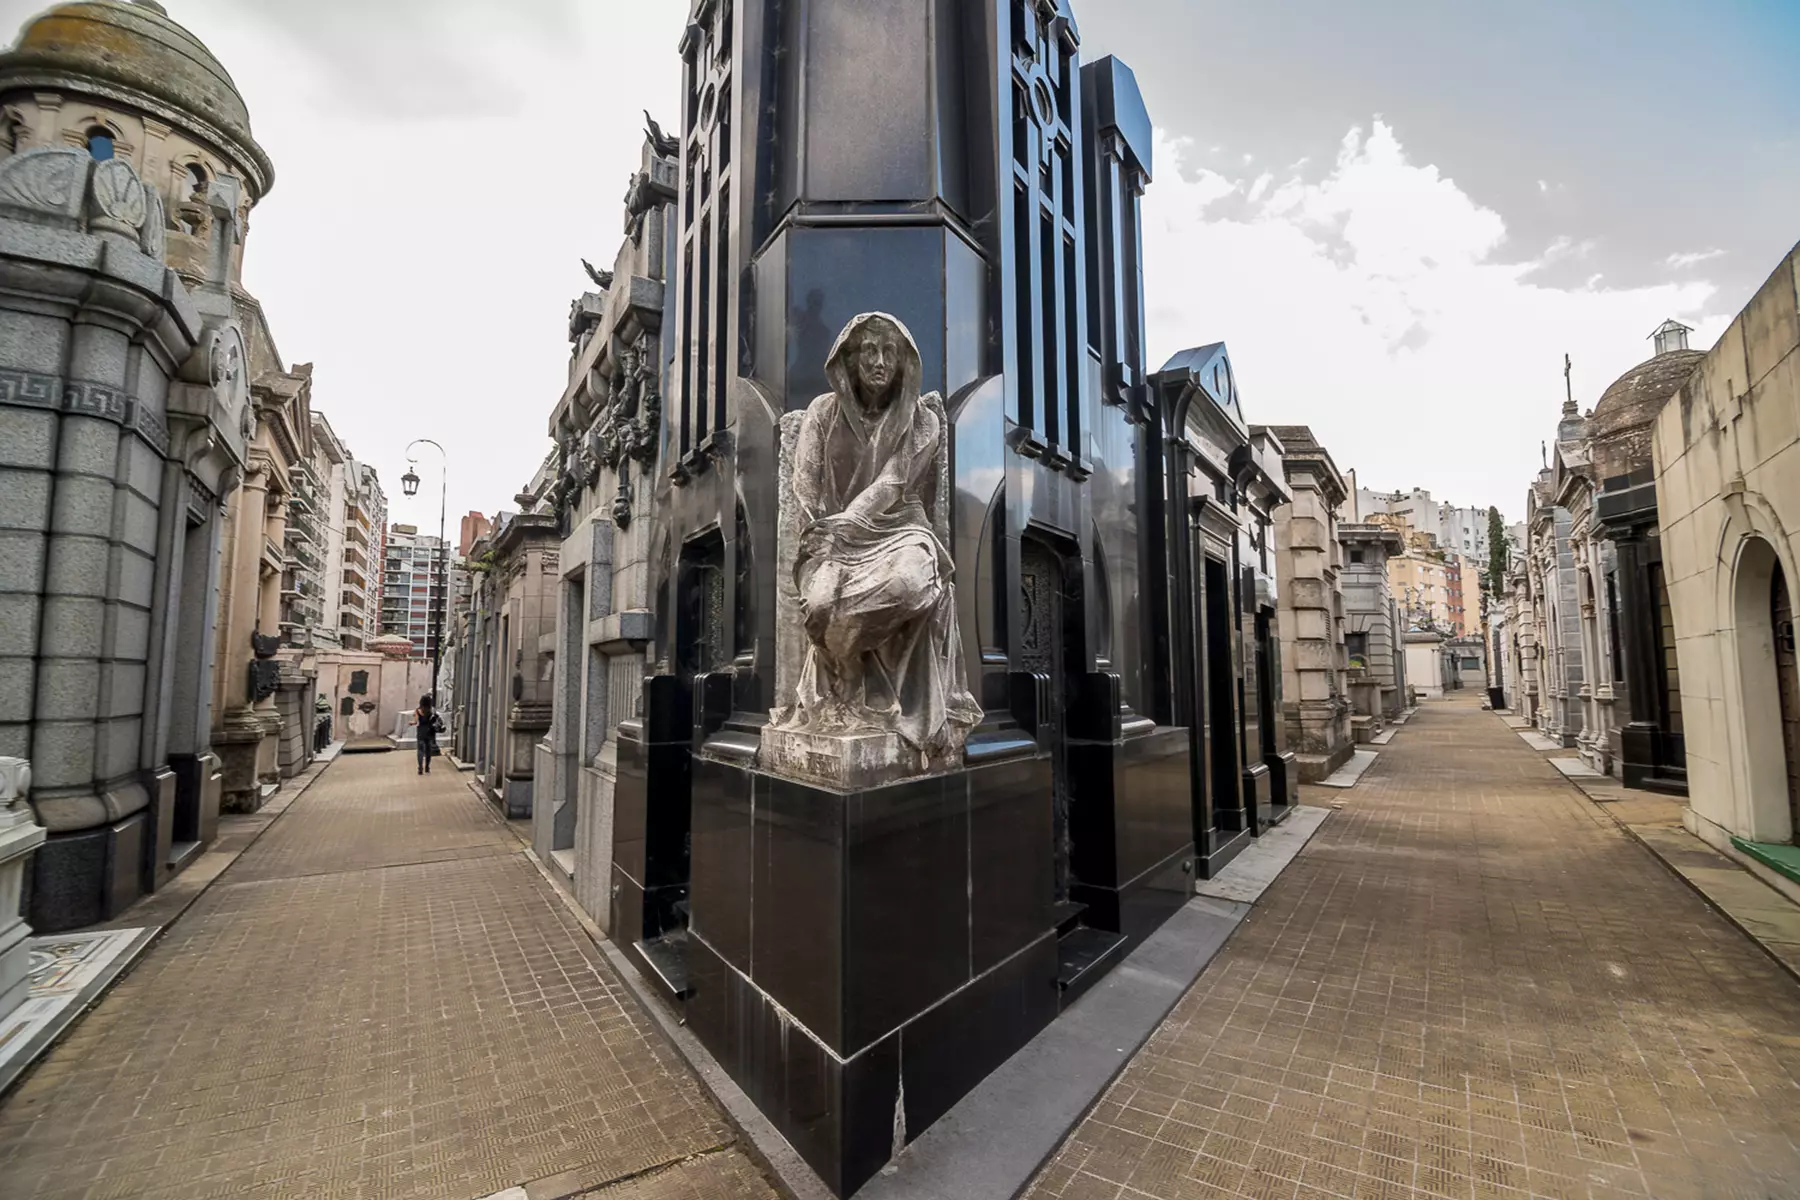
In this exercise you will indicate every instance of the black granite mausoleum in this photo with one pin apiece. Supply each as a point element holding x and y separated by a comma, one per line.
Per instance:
<point>859,961</point>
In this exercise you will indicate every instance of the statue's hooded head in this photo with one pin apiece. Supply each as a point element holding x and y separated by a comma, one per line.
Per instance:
<point>876,360</point>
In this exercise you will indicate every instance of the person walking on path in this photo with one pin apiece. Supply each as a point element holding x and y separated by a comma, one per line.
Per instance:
<point>429,725</point>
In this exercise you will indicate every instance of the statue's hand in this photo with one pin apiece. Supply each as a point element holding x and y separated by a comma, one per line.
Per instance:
<point>819,541</point>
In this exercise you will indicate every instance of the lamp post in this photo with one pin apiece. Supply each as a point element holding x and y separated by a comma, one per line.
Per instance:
<point>409,483</point>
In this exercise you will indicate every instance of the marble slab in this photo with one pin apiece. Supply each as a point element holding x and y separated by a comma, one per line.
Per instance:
<point>1383,738</point>
<point>1574,768</point>
<point>1249,875</point>
<point>68,971</point>
<point>1538,741</point>
<point>1347,775</point>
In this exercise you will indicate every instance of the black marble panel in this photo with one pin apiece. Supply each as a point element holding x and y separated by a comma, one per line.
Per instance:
<point>68,881</point>
<point>1284,780</point>
<point>126,846</point>
<point>838,1114</point>
<point>797,886</point>
<point>952,1047</point>
<point>1152,898</point>
<point>906,902</point>
<point>868,1094</point>
<point>1136,818</point>
<point>1153,811</point>
<point>1258,798</point>
<point>154,870</point>
<point>190,786</point>
<point>627,908</point>
<point>719,894</point>
<point>834,273</point>
<point>1010,876</point>
<point>631,797</point>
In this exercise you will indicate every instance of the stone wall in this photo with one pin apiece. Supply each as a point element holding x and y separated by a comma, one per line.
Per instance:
<point>108,514</point>
<point>1727,455</point>
<point>1315,701</point>
<point>607,425</point>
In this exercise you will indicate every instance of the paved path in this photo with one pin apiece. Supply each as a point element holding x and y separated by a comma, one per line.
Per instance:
<point>1471,984</point>
<point>381,998</point>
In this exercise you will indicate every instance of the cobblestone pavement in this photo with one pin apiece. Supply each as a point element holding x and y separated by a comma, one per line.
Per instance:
<point>1471,984</point>
<point>381,998</point>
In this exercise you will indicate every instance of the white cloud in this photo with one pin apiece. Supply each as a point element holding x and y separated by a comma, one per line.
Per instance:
<point>1692,257</point>
<point>1383,305</point>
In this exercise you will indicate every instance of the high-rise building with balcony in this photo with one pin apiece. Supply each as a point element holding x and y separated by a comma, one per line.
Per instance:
<point>359,584</point>
<point>412,587</point>
<point>329,596</point>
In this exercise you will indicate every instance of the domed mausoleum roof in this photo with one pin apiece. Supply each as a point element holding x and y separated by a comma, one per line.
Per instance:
<point>130,51</point>
<point>1620,424</point>
<point>1637,396</point>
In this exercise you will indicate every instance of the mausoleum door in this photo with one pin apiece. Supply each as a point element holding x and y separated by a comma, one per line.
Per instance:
<point>1041,652</point>
<point>1221,687</point>
<point>1781,615</point>
<point>1672,748</point>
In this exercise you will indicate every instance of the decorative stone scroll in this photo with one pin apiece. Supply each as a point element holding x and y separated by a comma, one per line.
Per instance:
<point>870,683</point>
<point>63,183</point>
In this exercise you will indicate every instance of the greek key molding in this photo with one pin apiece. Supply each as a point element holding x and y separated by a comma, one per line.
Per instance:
<point>34,389</point>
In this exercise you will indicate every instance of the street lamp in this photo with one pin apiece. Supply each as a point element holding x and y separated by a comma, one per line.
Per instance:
<point>409,483</point>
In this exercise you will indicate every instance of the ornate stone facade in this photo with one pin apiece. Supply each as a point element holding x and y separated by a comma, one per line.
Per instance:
<point>502,690</point>
<point>610,427</point>
<point>1315,698</point>
<point>124,414</point>
<point>1374,656</point>
<point>1726,449</point>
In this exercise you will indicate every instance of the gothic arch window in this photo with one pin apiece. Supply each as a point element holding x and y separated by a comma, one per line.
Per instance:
<point>99,142</point>
<point>197,180</point>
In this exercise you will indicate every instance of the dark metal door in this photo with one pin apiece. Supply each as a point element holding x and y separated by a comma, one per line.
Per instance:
<point>1781,615</point>
<point>1041,652</point>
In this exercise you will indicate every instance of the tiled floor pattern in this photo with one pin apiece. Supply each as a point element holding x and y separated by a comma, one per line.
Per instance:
<point>1471,984</point>
<point>383,998</point>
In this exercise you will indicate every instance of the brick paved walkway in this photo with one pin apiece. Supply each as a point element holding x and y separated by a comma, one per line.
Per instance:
<point>1471,984</point>
<point>381,998</point>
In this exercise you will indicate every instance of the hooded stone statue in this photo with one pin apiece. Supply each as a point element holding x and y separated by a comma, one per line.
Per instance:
<point>873,573</point>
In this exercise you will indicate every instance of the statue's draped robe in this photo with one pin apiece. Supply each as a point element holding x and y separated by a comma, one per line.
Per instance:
<point>874,575</point>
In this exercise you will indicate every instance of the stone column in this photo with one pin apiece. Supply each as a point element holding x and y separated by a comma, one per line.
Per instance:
<point>241,726</point>
<point>20,836</point>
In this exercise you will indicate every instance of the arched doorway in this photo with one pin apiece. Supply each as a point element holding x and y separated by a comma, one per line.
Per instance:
<point>1769,716</point>
<point>1787,685</point>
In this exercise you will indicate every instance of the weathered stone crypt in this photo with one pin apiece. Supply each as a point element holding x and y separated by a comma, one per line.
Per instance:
<point>962,654</point>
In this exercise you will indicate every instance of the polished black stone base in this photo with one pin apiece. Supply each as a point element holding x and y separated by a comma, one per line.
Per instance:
<point>858,961</point>
<point>1642,751</point>
<point>846,1116</point>
<point>1131,829</point>
<point>1259,799</point>
<point>82,878</point>
<point>1217,850</point>
<point>1284,782</point>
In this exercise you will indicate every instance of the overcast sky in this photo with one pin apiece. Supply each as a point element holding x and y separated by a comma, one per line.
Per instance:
<point>1398,215</point>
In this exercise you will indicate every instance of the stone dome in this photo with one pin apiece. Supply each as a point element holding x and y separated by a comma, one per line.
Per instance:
<point>1620,424</point>
<point>131,52</point>
<point>1637,396</point>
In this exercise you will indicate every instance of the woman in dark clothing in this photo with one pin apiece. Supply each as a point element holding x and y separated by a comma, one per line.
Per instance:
<point>429,725</point>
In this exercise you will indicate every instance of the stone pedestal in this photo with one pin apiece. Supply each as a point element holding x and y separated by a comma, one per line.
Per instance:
<point>20,836</point>
<point>844,761</point>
